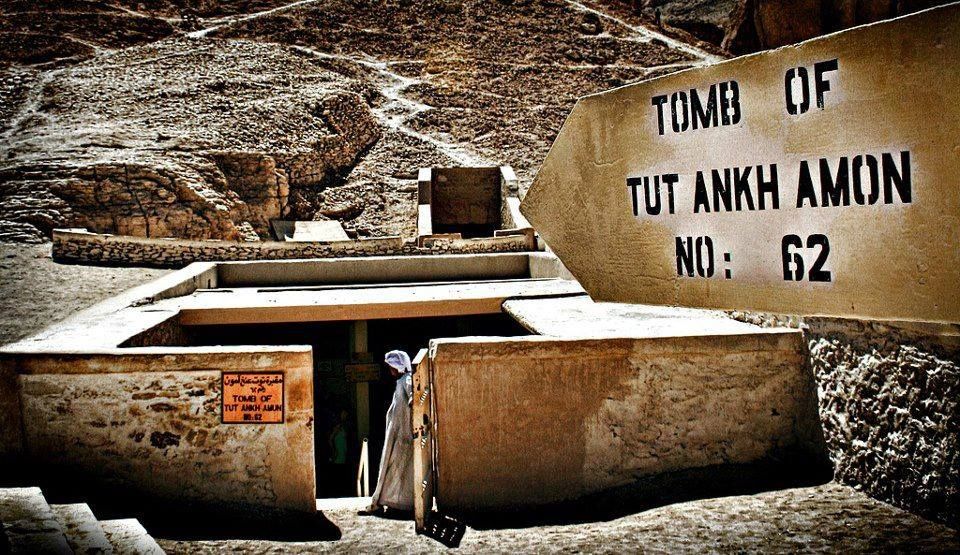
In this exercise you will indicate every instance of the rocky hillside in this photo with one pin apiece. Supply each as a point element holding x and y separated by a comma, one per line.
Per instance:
<point>179,118</point>
<point>744,26</point>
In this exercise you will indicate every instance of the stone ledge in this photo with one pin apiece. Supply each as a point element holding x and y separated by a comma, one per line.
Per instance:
<point>82,247</point>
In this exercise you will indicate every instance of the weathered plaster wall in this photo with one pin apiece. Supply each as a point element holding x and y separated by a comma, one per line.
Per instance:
<point>89,248</point>
<point>465,196</point>
<point>889,405</point>
<point>149,423</point>
<point>550,420</point>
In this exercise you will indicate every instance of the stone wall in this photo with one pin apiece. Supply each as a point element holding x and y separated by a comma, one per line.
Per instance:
<point>78,246</point>
<point>553,420</point>
<point>889,401</point>
<point>149,424</point>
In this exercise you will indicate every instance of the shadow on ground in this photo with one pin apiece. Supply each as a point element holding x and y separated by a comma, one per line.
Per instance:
<point>284,527</point>
<point>186,522</point>
<point>174,520</point>
<point>660,490</point>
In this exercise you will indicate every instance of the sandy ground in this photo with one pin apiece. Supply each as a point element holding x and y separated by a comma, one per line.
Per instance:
<point>36,292</point>
<point>827,518</point>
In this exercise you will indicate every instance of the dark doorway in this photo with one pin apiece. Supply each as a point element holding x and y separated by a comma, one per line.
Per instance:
<point>337,442</point>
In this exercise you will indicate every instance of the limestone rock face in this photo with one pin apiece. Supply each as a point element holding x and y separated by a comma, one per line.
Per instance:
<point>760,24</point>
<point>743,26</point>
<point>175,139</point>
<point>42,31</point>
<point>889,407</point>
<point>127,198</point>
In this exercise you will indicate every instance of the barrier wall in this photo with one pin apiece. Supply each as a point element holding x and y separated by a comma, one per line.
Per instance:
<point>90,248</point>
<point>608,412</point>
<point>148,422</point>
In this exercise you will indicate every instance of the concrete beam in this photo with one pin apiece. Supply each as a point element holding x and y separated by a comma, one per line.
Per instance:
<point>245,306</point>
<point>386,269</point>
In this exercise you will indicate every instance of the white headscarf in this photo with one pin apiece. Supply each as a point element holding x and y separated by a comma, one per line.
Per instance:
<point>399,360</point>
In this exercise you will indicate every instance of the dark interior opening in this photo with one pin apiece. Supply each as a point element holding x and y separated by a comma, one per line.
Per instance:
<point>335,394</point>
<point>466,201</point>
<point>467,231</point>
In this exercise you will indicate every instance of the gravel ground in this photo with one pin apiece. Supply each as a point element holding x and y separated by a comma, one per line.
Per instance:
<point>35,291</point>
<point>827,518</point>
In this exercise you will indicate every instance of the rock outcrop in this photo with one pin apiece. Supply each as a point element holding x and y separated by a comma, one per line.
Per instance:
<point>745,26</point>
<point>761,24</point>
<point>890,406</point>
<point>181,138</point>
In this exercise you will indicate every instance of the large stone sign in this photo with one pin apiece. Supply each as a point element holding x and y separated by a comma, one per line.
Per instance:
<point>817,179</point>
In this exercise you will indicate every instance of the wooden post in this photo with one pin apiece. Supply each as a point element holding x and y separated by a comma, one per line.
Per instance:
<point>423,427</point>
<point>363,471</point>
<point>358,345</point>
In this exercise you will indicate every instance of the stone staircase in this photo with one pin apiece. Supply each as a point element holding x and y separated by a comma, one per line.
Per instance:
<point>31,525</point>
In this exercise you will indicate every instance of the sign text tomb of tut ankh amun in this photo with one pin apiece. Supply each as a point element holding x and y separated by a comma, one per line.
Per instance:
<point>815,179</point>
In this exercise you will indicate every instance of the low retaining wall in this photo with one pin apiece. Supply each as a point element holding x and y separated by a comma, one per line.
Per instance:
<point>147,422</point>
<point>610,411</point>
<point>82,247</point>
<point>890,407</point>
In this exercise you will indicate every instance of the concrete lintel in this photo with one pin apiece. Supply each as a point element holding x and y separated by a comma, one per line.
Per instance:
<point>373,269</point>
<point>362,303</point>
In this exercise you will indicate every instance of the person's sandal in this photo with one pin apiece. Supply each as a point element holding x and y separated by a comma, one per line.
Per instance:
<point>370,511</point>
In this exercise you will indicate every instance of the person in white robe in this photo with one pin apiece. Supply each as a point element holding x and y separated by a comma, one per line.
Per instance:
<point>395,483</point>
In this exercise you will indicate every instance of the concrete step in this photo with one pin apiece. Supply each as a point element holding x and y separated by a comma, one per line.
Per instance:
<point>83,532</point>
<point>28,523</point>
<point>128,536</point>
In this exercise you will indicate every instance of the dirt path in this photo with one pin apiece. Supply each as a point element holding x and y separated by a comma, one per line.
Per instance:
<point>235,19</point>
<point>399,110</point>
